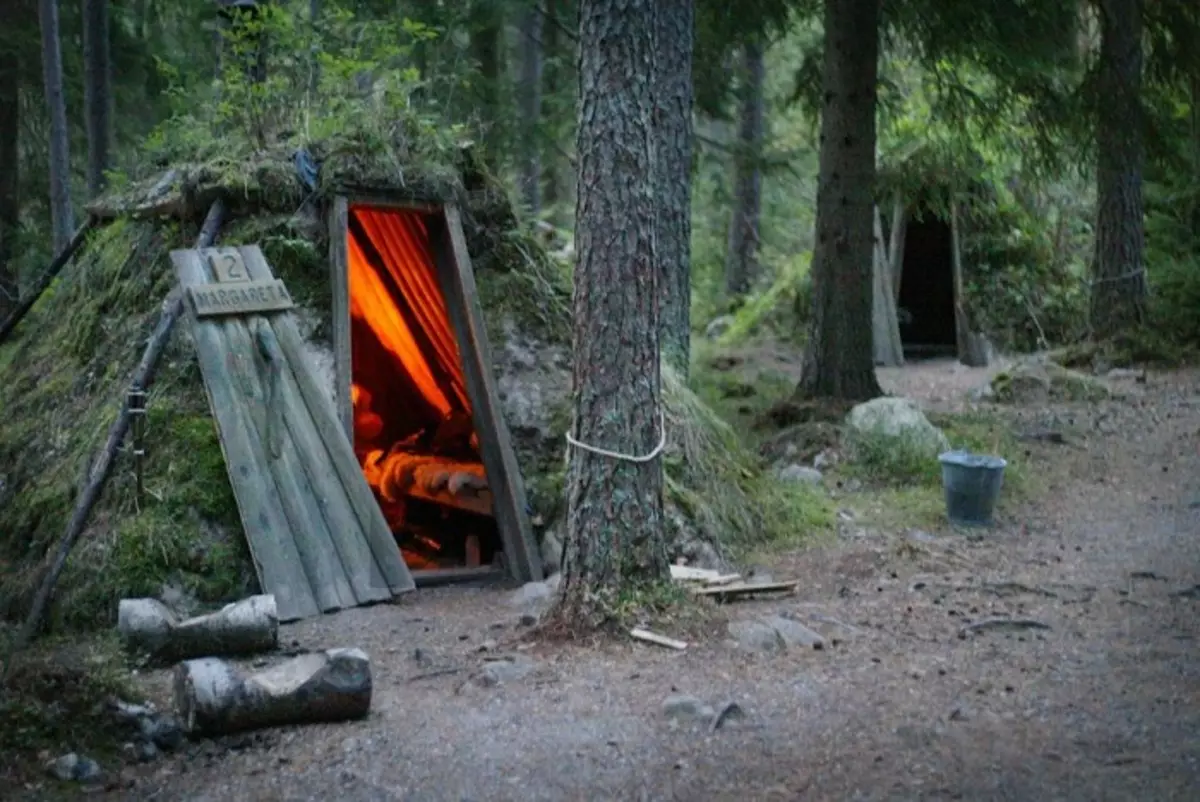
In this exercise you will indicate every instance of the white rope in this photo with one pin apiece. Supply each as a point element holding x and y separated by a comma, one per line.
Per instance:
<point>603,452</point>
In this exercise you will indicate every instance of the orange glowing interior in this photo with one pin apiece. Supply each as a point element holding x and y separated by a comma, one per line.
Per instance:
<point>413,431</point>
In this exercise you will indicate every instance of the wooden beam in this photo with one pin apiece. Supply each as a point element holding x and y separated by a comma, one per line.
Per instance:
<point>339,276</point>
<point>961,324</point>
<point>47,278</point>
<point>457,278</point>
<point>444,576</point>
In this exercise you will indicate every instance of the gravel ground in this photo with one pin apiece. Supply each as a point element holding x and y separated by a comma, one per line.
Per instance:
<point>900,704</point>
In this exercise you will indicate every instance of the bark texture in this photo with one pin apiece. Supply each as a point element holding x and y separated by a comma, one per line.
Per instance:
<point>531,109</point>
<point>741,257</point>
<point>486,24</point>
<point>62,216</point>
<point>1118,270</point>
<point>614,505</point>
<point>10,200</point>
<point>673,148</point>
<point>838,362</point>
<point>97,92</point>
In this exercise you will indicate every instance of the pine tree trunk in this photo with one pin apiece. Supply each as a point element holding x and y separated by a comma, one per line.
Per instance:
<point>1118,270</point>
<point>10,163</point>
<point>839,359</point>
<point>741,258</point>
<point>97,91</point>
<point>614,504</point>
<point>531,109</point>
<point>673,147</point>
<point>62,216</point>
<point>486,29</point>
<point>552,192</point>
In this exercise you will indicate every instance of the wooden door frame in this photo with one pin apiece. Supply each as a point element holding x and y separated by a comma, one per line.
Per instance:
<point>455,277</point>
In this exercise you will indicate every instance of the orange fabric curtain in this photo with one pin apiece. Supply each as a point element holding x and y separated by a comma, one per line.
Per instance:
<point>401,240</point>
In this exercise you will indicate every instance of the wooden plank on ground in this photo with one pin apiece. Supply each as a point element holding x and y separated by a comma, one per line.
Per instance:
<point>746,588</point>
<point>457,279</point>
<point>339,276</point>
<point>371,524</point>
<point>274,551</point>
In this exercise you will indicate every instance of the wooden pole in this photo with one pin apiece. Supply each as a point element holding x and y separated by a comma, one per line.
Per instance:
<point>116,434</point>
<point>31,298</point>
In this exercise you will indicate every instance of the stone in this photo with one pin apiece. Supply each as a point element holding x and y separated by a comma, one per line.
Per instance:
<point>801,474</point>
<point>1038,382</point>
<point>900,419</point>
<point>774,633</point>
<point>682,706</point>
<point>497,672</point>
<point>718,326</point>
<point>531,594</point>
<point>552,551</point>
<point>73,767</point>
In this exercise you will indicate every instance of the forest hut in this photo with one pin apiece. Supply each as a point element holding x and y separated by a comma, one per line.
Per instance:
<point>345,227</point>
<point>920,306</point>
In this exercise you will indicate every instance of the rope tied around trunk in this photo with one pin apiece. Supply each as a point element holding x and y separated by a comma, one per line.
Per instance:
<point>617,455</point>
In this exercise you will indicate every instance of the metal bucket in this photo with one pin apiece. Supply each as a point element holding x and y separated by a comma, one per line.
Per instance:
<point>972,484</point>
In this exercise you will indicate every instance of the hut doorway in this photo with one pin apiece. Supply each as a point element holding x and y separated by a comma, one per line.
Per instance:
<point>416,397</point>
<point>926,303</point>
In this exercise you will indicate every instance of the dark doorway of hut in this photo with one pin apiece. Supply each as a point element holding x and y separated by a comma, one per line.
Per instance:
<point>926,310</point>
<point>416,395</point>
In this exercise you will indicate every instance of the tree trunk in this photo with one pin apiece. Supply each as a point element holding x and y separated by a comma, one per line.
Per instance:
<point>97,91</point>
<point>487,27</point>
<point>531,109</point>
<point>673,148</point>
<point>614,499</point>
<point>741,258</point>
<point>148,626</point>
<point>838,361</point>
<point>552,190</point>
<point>10,163</point>
<point>62,216</point>
<point>1118,270</point>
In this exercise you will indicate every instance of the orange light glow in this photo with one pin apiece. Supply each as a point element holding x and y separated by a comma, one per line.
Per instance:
<point>394,292</point>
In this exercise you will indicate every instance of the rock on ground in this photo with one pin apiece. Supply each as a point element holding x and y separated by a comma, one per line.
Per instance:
<point>900,419</point>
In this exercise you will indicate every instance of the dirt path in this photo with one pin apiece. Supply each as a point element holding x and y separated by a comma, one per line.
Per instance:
<point>1102,705</point>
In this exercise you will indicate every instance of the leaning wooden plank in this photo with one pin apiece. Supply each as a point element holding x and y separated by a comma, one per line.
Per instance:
<point>379,537</point>
<point>339,275</point>
<point>214,698</point>
<point>275,555</point>
<point>46,279</point>
<point>143,377</point>
<point>329,496</point>
<point>660,640</point>
<point>268,411</point>
<point>248,626</point>
<point>747,588</point>
<point>504,474</point>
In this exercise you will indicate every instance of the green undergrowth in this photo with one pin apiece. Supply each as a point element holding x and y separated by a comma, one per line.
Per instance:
<point>53,699</point>
<point>903,482</point>
<point>66,372</point>
<point>722,486</point>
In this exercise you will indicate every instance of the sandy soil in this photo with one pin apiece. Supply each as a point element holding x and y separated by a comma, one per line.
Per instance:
<point>1104,704</point>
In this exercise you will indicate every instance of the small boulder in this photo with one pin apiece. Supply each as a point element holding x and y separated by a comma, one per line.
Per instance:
<point>682,706</point>
<point>1039,382</point>
<point>900,419</point>
<point>74,767</point>
<point>801,474</point>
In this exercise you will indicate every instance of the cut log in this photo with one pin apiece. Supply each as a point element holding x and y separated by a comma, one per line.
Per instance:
<point>143,377</point>
<point>245,627</point>
<point>213,698</point>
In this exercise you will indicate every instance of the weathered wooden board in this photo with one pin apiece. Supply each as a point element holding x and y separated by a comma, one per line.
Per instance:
<point>243,297</point>
<point>313,527</point>
<point>339,218</point>
<point>457,279</point>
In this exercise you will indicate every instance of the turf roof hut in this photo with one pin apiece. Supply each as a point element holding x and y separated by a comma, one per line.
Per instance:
<point>67,370</point>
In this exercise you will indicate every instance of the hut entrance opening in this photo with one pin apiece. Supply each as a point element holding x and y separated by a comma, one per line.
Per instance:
<point>412,419</point>
<point>926,303</point>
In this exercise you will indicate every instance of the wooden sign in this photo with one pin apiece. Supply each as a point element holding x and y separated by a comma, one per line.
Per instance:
<point>226,264</point>
<point>240,298</point>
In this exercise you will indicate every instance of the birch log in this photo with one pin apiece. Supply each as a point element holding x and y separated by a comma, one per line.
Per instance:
<point>213,698</point>
<point>245,627</point>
